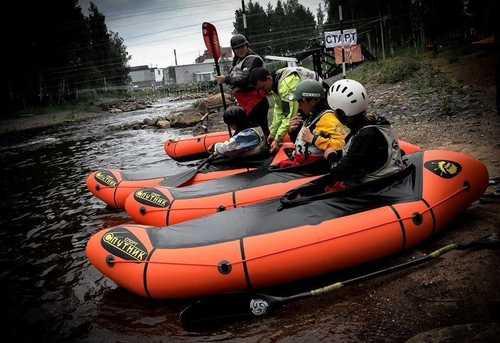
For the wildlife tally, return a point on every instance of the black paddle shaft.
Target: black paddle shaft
(184, 177)
(217, 69)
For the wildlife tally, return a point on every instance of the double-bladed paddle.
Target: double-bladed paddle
(218, 308)
(184, 177)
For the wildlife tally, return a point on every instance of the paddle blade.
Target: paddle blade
(214, 311)
(211, 40)
(180, 179)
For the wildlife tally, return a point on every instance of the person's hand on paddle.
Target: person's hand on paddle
(220, 79)
(295, 123)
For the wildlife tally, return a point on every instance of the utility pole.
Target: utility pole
(342, 38)
(244, 18)
(381, 31)
(175, 56)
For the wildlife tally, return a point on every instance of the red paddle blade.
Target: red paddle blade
(211, 40)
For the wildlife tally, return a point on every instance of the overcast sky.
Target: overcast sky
(152, 29)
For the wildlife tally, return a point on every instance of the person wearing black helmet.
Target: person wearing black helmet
(317, 130)
(247, 141)
(280, 85)
(254, 102)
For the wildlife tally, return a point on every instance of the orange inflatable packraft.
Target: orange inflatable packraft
(266, 245)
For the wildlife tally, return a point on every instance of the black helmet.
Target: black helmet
(236, 115)
(309, 89)
(238, 40)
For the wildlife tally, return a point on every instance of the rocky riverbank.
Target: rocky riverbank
(125, 105)
(203, 114)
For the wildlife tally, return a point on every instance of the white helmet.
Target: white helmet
(349, 96)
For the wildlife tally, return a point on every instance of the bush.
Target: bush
(398, 69)
(391, 70)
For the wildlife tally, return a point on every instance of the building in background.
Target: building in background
(146, 77)
(194, 73)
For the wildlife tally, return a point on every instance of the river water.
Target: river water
(51, 291)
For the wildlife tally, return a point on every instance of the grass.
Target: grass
(390, 70)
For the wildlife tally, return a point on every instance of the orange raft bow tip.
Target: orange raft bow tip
(260, 246)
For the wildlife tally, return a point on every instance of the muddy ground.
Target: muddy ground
(448, 106)
(444, 106)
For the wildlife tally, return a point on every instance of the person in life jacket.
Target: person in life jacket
(247, 141)
(371, 151)
(281, 85)
(254, 102)
(319, 129)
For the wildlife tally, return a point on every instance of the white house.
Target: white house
(145, 77)
(193, 73)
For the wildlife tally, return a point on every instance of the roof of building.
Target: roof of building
(136, 68)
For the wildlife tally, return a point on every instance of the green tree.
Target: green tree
(58, 51)
(280, 31)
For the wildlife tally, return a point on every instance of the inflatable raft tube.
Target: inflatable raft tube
(113, 186)
(193, 148)
(162, 206)
(259, 246)
(188, 149)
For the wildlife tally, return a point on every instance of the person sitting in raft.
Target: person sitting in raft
(253, 102)
(371, 151)
(281, 85)
(247, 141)
(320, 129)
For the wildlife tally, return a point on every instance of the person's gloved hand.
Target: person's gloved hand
(328, 153)
(220, 79)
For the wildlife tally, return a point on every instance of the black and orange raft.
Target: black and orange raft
(113, 186)
(192, 148)
(160, 206)
(261, 246)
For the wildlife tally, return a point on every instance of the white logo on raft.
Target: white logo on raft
(258, 307)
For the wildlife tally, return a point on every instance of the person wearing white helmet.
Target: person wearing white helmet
(371, 151)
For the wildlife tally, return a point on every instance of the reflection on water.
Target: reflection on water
(51, 290)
